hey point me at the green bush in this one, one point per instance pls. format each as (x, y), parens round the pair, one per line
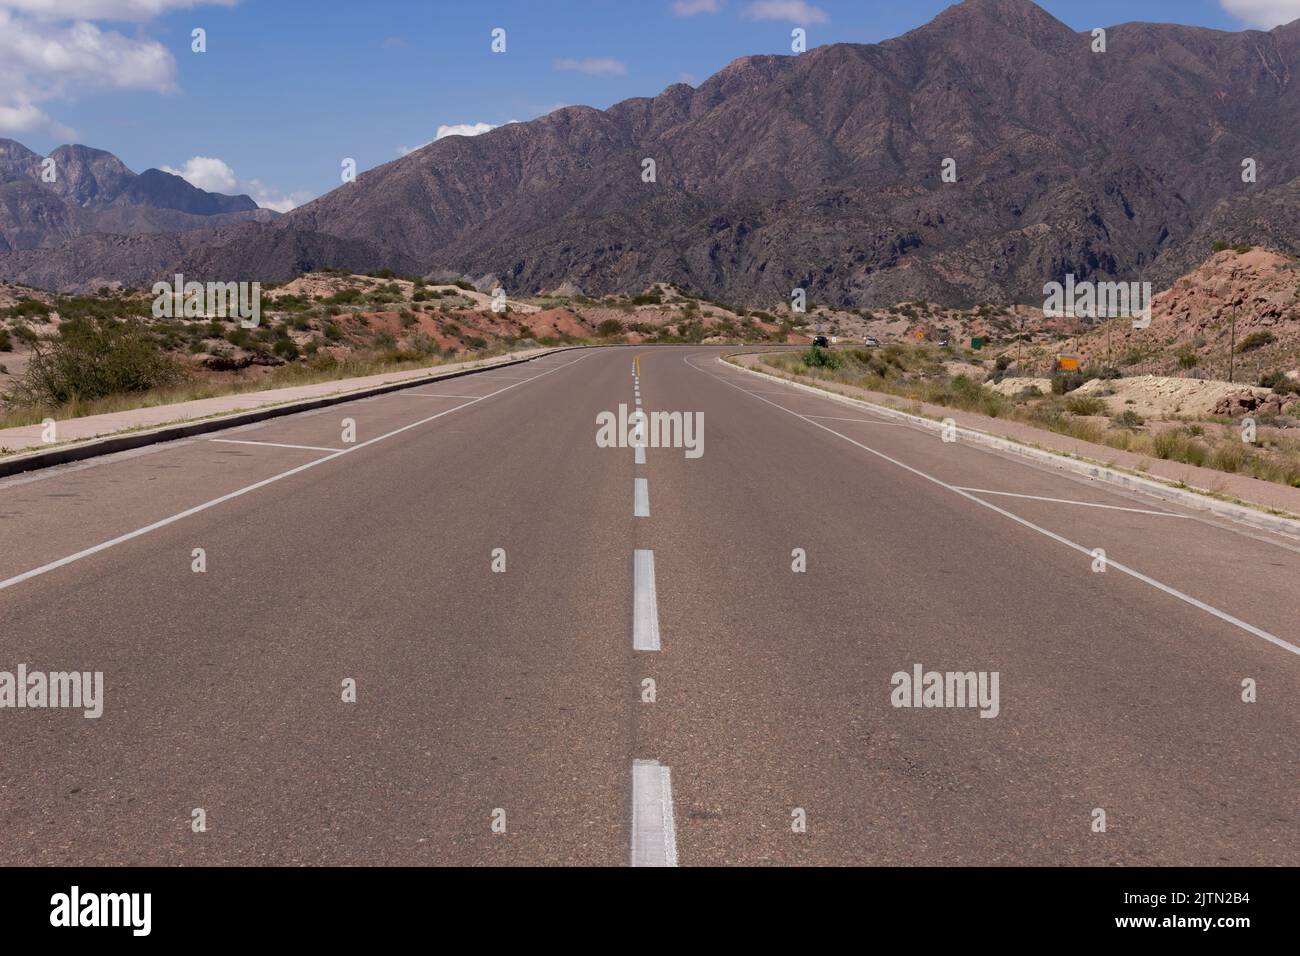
(609, 327)
(1280, 383)
(344, 297)
(89, 360)
(1063, 382)
(6, 341)
(817, 357)
(1085, 405)
(1128, 419)
(1256, 340)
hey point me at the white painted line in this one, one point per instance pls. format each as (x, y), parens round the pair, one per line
(1066, 501)
(430, 395)
(1110, 562)
(654, 835)
(640, 454)
(189, 512)
(865, 421)
(638, 403)
(640, 498)
(645, 605)
(272, 444)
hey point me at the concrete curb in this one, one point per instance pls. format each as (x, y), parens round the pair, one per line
(1146, 486)
(111, 444)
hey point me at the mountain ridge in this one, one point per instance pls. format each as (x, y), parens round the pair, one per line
(824, 170)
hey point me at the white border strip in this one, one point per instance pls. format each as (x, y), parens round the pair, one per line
(272, 444)
(654, 835)
(1067, 501)
(640, 498)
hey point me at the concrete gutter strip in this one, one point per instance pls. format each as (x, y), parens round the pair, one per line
(1146, 486)
(111, 444)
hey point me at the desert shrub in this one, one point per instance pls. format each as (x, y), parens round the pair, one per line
(89, 360)
(27, 309)
(1228, 456)
(1177, 444)
(1279, 382)
(344, 297)
(286, 348)
(1256, 340)
(1063, 382)
(817, 357)
(1128, 419)
(6, 341)
(1085, 405)
(609, 327)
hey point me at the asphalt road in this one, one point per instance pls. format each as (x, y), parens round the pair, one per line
(501, 717)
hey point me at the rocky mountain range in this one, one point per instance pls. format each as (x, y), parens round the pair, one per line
(825, 170)
(77, 191)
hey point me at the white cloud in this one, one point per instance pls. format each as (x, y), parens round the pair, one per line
(269, 198)
(208, 173)
(23, 117)
(455, 129)
(134, 10)
(464, 129)
(796, 11)
(394, 43)
(1264, 14)
(215, 175)
(41, 60)
(689, 8)
(595, 66)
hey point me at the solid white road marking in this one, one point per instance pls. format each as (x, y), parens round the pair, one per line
(654, 835)
(645, 605)
(432, 395)
(640, 454)
(1110, 562)
(188, 512)
(272, 444)
(640, 498)
(1066, 501)
(866, 421)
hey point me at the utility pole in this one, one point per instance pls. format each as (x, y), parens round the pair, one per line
(1232, 342)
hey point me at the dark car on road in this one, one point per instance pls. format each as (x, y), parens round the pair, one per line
(821, 341)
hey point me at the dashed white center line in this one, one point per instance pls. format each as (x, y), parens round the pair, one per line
(654, 835)
(645, 604)
(640, 454)
(640, 498)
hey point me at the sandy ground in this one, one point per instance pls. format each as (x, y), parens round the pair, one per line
(1154, 396)
(1151, 396)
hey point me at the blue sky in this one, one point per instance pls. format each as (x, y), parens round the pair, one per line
(287, 88)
